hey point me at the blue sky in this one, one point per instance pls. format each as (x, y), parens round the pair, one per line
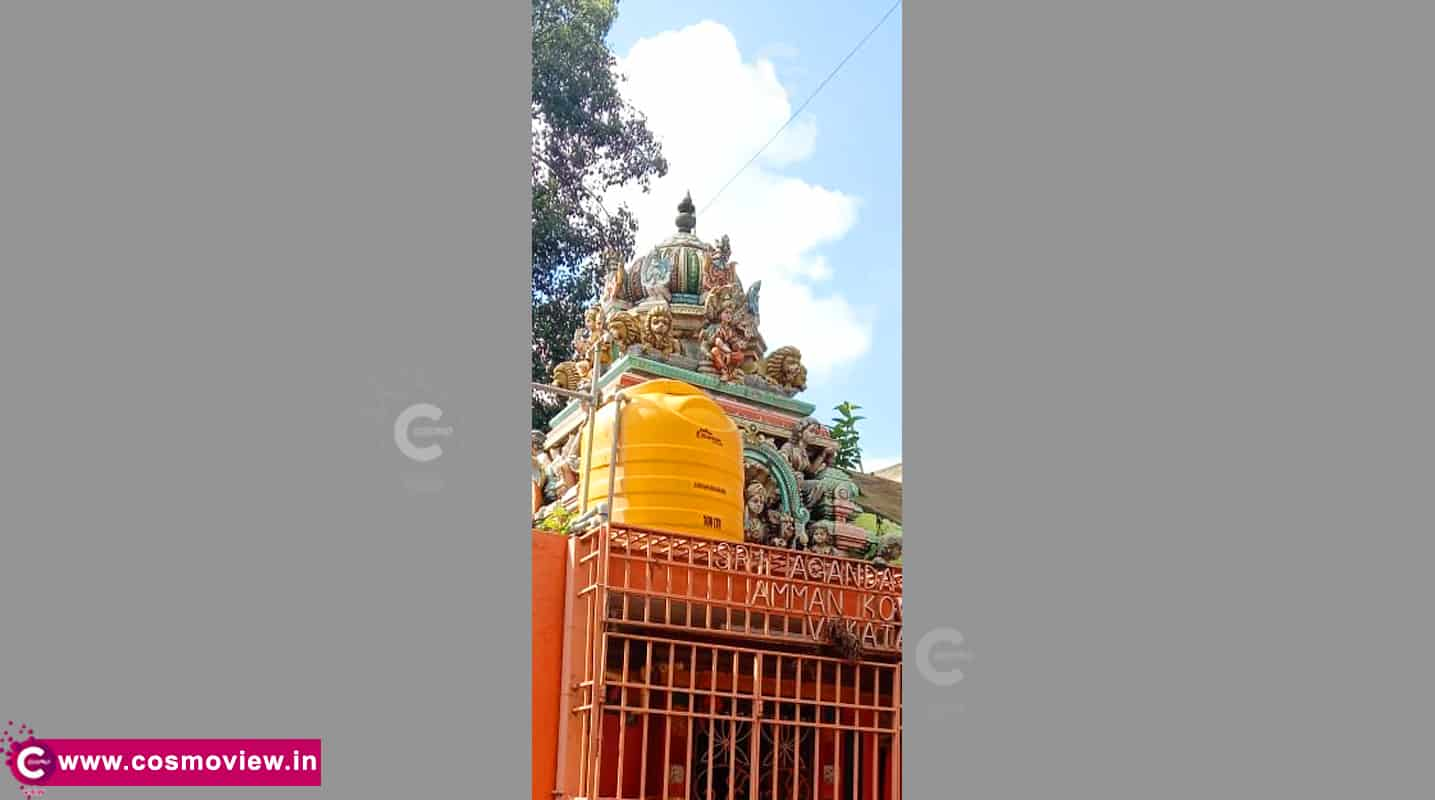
(818, 218)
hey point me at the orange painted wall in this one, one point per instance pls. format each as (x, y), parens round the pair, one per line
(550, 559)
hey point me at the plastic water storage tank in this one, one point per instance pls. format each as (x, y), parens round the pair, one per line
(679, 462)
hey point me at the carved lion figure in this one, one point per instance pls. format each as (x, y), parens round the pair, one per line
(624, 329)
(783, 367)
(567, 375)
(657, 331)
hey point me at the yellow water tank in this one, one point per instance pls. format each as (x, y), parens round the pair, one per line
(680, 463)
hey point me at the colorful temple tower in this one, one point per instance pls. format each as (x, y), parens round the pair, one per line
(672, 666)
(681, 312)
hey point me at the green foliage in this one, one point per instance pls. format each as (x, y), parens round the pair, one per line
(875, 525)
(585, 141)
(557, 521)
(844, 430)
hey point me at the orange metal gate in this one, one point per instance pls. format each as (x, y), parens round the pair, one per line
(697, 670)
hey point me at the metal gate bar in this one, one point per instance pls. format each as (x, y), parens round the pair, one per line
(746, 722)
(750, 732)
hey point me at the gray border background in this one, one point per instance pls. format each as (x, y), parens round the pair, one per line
(1168, 376)
(1168, 385)
(238, 239)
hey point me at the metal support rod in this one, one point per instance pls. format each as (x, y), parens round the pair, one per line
(559, 390)
(618, 400)
(593, 375)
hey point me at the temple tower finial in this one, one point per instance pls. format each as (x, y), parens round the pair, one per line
(687, 219)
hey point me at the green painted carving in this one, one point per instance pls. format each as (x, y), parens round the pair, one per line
(789, 496)
(831, 486)
(632, 363)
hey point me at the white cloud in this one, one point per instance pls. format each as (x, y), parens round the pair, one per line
(712, 110)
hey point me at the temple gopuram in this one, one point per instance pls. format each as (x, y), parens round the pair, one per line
(763, 664)
(681, 311)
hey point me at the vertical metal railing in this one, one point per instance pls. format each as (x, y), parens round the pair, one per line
(668, 717)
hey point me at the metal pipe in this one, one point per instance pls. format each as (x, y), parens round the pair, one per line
(558, 390)
(593, 376)
(618, 400)
(584, 521)
(565, 689)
